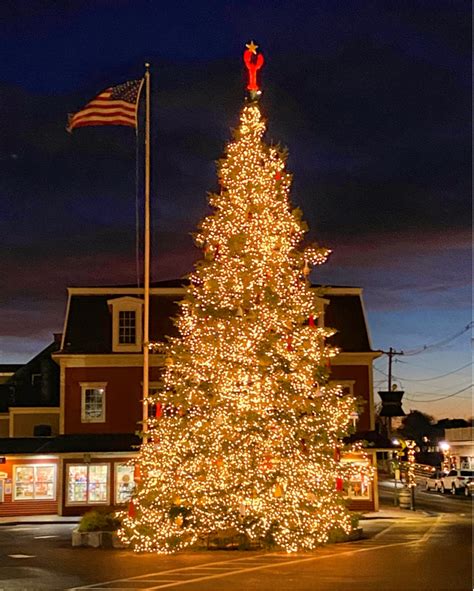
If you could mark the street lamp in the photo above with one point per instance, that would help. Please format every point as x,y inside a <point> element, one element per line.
<point>445,447</point>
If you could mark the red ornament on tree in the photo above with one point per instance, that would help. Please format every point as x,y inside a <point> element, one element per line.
<point>312,323</point>
<point>131,509</point>
<point>278,176</point>
<point>252,66</point>
<point>289,343</point>
<point>136,473</point>
<point>158,410</point>
<point>339,484</point>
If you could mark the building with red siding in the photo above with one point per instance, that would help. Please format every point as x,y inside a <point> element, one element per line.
<point>88,463</point>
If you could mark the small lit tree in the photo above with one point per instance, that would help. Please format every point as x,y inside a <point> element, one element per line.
<point>245,433</point>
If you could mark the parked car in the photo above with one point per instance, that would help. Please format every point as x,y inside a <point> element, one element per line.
<point>456,481</point>
<point>469,489</point>
<point>432,482</point>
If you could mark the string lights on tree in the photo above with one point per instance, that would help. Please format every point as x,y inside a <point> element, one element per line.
<point>246,432</point>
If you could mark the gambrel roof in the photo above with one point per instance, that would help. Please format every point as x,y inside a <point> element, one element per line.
<point>88,325</point>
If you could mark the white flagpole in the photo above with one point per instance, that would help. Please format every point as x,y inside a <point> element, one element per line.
<point>146,275</point>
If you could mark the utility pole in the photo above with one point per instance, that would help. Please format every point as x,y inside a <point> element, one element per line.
<point>387,396</point>
<point>391,352</point>
<point>392,407</point>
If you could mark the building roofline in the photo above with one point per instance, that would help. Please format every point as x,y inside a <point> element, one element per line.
<point>177,290</point>
<point>124,290</point>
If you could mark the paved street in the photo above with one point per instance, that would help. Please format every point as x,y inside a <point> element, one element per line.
<point>421,550</point>
<point>428,501</point>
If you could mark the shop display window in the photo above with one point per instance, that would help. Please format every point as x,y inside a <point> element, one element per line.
<point>88,484</point>
<point>124,483</point>
<point>359,486</point>
<point>34,482</point>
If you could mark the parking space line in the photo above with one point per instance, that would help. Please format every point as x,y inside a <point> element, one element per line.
<point>231,572</point>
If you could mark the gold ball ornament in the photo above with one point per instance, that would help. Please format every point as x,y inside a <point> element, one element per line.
<point>278,491</point>
<point>179,520</point>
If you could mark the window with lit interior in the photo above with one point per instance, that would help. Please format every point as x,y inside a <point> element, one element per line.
<point>88,484</point>
<point>34,482</point>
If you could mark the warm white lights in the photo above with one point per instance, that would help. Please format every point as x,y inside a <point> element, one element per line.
<point>246,439</point>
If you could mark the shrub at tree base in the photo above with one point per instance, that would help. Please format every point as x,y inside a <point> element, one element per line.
<point>98,521</point>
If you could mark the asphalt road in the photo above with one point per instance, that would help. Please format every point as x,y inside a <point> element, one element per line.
<point>428,501</point>
<point>422,550</point>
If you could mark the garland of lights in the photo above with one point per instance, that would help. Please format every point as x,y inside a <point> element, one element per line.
<point>245,435</point>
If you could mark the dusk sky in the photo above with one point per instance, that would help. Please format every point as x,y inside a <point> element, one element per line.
<point>371,98</point>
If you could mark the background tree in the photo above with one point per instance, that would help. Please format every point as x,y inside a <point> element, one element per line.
<point>416,425</point>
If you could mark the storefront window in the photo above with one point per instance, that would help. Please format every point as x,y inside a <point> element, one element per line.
<point>88,483</point>
<point>34,482</point>
<point>124,483</point>
<point>359,485</point>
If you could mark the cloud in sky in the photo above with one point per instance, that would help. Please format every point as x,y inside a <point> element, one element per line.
<point>373,102</point>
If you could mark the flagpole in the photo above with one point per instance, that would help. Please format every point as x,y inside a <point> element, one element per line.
<point>146,274</point>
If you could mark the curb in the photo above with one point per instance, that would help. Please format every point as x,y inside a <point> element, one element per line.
<point>10,523</point>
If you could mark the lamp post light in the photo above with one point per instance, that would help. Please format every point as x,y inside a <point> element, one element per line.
<point>445,447</point>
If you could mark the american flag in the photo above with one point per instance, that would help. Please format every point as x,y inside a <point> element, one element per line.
<point>116,105</point>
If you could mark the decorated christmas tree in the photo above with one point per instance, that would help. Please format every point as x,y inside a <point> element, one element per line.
<point>244,435</point>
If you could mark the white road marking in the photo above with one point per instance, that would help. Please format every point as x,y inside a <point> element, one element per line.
<point>45,537</point>
<point>236,571</point>
<point>21,556</point>
<point>19,528</point>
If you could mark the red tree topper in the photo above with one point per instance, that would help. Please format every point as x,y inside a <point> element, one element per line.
<point>252,65</point>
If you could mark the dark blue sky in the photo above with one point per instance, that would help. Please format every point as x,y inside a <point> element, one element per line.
<point>371,98</point>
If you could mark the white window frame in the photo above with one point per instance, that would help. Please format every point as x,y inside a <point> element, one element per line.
<point>87,502</point>
<point>93,386</point>
<point>34,497</point>
<point>126,304</point>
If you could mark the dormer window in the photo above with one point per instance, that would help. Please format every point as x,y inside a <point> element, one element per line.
<point>127,327</point>
<point>126,324</point>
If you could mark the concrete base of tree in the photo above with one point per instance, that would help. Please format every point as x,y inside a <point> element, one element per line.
<point>96,539</point>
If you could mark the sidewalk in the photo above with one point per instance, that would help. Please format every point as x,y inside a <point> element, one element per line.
<point>385,512</point>
<point>38,519</point>
<point>392,513</point>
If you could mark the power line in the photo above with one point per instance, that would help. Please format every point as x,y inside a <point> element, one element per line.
<point>424,348</point>
<point>442,397</point>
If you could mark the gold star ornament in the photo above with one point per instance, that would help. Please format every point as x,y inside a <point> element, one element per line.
<point>252,47</point>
